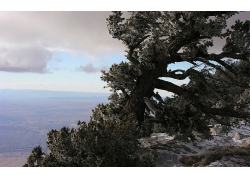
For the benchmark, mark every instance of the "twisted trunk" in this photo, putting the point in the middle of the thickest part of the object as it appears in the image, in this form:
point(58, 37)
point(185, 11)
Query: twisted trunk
point(144, 88)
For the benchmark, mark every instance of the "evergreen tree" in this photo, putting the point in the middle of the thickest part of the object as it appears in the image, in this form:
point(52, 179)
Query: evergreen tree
point(156, 40)
point(217, 92)
point(102, 142)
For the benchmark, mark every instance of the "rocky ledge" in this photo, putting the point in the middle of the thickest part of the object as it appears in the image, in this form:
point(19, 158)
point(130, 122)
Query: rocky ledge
point(224, 150)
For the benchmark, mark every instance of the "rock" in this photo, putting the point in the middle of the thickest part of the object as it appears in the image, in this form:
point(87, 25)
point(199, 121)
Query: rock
point(215, 164)
point(145, 144)
point(227, 139)
point(187, 148)
point(239, 136)
point(245, 142)
point(166, 159)
point(195, 144)
point(215, 131)
point(170, 149)
point(163, 141)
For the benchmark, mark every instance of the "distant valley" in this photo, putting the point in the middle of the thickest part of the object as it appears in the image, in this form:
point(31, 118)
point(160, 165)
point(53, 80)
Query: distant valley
point(27, 116)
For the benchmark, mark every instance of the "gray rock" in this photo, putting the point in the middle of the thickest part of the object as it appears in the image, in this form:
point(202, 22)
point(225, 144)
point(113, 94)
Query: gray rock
point(145, 144)
point(216, 131)
point(245, 142)
point(167, 159)
point(170, 149)
point(239, 136)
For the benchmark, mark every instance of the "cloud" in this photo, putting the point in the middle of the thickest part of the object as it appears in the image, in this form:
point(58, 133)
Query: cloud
point(72, 31)
point(40, 84)
point(31, 58)
point(30, 39)
point(89, 68)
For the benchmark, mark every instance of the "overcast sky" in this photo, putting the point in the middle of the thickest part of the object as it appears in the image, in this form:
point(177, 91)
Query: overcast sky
point(56, 50)
point(62, 51)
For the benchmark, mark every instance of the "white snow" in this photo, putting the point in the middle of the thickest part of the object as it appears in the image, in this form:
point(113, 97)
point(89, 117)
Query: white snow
point(169, 148)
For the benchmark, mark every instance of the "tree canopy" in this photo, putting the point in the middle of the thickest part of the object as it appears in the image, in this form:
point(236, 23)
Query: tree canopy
point(109, 143)
point(156, 40)
point(217, 91)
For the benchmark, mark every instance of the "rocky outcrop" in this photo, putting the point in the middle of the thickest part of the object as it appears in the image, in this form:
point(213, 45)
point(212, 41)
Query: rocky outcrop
point(231, 161)
point(171, 150)
point(240, 136)
point(216, 130)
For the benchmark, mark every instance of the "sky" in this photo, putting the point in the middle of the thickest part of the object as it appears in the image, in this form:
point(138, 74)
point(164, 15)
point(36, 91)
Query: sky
point(62, 51)
point(58, 50)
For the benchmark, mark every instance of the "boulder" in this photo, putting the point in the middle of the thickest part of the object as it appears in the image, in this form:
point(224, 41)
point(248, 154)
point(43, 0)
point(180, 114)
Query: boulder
point(239, 136)
point(145, 144)
point(245, 142)
point(216, 130)
point(166, 159)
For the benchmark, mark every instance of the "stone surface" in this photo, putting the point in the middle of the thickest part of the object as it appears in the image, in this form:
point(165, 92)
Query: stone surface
point(166, 159)
point(215, 131)
point(170, 150)
point(239, 136)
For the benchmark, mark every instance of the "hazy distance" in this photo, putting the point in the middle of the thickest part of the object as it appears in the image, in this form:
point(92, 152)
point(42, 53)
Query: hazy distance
point(26, 116)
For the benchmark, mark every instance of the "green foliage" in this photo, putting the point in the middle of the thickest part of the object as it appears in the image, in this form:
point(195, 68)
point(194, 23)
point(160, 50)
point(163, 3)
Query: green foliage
point(35, 157)
point(217, 92)
point(156, 40)
point(121, 77)
point(102, 143)
point(184, 120)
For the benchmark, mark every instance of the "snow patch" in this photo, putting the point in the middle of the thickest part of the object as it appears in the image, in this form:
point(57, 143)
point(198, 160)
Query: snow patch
point(170, 150)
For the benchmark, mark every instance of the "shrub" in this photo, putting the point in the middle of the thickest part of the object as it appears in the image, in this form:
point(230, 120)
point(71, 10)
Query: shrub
point(107, 143)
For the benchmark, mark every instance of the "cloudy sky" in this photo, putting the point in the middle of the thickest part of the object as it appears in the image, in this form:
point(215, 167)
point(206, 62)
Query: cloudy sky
point(61, 51)
point(56, 50)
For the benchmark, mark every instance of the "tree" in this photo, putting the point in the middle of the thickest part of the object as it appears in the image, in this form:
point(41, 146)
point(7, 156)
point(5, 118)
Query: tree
point(154, 41)
point(100, 143)
point(217, 91)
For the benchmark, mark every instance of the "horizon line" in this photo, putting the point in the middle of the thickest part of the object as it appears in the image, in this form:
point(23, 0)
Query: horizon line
point(54, 90)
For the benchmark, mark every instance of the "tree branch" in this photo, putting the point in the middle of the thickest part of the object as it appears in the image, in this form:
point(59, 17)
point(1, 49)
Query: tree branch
point(229, 68)
point(217, 58)
point(218, 120)
point(131, 50)
point(195, 100)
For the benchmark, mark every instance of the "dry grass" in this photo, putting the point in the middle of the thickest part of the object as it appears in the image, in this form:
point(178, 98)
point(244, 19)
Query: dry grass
point(216, 154)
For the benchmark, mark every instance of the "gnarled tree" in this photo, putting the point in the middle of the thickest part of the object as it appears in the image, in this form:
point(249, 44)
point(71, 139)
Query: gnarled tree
point(217, 91)
point(156, 40)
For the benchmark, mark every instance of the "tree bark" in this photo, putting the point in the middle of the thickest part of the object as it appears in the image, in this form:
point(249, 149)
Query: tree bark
point(144, 88)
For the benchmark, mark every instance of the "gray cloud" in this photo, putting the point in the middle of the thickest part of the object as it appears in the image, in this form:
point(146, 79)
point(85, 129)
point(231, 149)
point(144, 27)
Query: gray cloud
point(74, 32)
point(31, 58)
point(89, 68)
point(29, 39)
